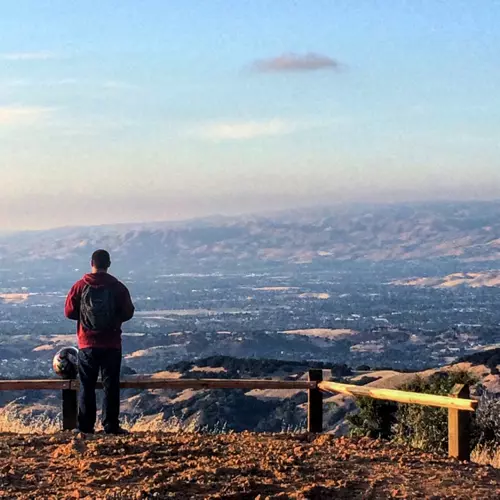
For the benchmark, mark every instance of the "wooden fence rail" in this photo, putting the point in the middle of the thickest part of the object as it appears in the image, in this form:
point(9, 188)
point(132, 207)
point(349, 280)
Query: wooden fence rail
point(458, 403)
point(401, 396)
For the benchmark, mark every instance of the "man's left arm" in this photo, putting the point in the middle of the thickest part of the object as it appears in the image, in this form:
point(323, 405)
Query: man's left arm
point(126, 307)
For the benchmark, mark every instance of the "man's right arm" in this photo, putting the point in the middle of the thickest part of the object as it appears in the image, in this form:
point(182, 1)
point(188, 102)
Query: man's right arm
point(72, 306)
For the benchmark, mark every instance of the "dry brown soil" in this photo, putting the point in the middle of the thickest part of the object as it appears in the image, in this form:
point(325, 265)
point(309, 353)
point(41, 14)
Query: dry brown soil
point(231, 466)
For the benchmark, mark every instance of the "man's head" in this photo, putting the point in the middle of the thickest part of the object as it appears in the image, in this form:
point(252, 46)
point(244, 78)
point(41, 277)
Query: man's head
point(100, 261)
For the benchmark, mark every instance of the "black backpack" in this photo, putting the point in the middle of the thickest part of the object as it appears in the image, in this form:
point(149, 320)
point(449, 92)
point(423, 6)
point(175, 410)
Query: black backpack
point(98, 308)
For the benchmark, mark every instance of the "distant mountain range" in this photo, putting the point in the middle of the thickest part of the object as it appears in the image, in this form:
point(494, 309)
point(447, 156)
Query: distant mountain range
point(468, 232)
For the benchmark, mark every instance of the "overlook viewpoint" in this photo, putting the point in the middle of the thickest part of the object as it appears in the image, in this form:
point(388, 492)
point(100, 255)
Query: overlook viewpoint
point(249, 250)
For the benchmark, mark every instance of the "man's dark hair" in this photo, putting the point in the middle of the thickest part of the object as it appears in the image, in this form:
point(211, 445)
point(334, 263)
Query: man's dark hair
point(101, 259)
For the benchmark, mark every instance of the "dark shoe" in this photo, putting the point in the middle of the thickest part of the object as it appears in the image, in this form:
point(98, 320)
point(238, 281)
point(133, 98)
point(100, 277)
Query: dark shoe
point(79, 431)
point(119, 431)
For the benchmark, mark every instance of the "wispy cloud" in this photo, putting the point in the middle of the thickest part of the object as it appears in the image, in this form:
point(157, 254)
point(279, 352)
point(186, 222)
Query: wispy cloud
point(245, 130)
point(28, 56)
point(22, 115)
point(296, 63)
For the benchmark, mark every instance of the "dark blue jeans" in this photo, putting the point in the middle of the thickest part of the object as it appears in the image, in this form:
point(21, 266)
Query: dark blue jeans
point(91, 361)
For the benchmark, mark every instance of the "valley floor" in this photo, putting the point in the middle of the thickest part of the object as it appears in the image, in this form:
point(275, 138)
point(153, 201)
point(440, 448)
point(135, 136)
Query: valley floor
point(238, 466)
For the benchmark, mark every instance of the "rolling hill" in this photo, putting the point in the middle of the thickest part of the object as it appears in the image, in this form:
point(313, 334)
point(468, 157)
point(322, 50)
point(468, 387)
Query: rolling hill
point(253, 410)
point(473, 280)
point(466, 232)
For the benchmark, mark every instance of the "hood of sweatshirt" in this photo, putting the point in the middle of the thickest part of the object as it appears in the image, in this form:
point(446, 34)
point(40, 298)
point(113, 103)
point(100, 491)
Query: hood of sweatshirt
point(99, 279)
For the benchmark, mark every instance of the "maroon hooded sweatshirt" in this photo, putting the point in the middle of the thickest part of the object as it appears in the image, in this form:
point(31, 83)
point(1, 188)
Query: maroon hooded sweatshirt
point(111, 339)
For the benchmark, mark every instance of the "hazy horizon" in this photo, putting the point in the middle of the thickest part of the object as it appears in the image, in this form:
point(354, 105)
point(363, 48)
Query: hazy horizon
point(263, 212)
point(129, 112)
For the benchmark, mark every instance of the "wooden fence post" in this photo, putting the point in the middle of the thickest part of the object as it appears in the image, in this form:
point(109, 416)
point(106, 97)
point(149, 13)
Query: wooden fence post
point(69, 409)
point(459, 426)
point(315, 404)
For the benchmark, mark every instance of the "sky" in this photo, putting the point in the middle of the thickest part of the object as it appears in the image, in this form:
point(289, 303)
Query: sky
point(128, 110)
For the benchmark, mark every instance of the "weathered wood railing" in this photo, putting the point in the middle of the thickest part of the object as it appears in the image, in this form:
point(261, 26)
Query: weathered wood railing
point(458, 403)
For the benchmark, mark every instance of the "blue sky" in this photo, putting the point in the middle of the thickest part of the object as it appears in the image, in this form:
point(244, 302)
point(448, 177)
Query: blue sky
point(147, 110)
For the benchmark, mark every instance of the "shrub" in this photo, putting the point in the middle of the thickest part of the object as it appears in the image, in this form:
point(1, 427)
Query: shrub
point(374, 418)
point(426, 427)
point(422, 427)
point(487, 420)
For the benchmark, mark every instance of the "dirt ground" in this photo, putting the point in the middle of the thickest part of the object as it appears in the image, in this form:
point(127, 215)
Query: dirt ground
point(231, 466)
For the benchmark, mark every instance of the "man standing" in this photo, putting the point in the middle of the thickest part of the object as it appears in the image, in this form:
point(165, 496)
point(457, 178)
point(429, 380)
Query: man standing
point(100, 303)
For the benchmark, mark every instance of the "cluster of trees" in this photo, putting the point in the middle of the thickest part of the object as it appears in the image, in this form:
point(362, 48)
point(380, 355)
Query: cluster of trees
point(256, 367)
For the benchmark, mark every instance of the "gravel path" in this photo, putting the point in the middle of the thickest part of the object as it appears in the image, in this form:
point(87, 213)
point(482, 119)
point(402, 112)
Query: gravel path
point(231, 466)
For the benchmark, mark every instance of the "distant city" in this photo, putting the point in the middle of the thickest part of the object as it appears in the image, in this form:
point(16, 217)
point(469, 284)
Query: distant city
point(402, 286)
